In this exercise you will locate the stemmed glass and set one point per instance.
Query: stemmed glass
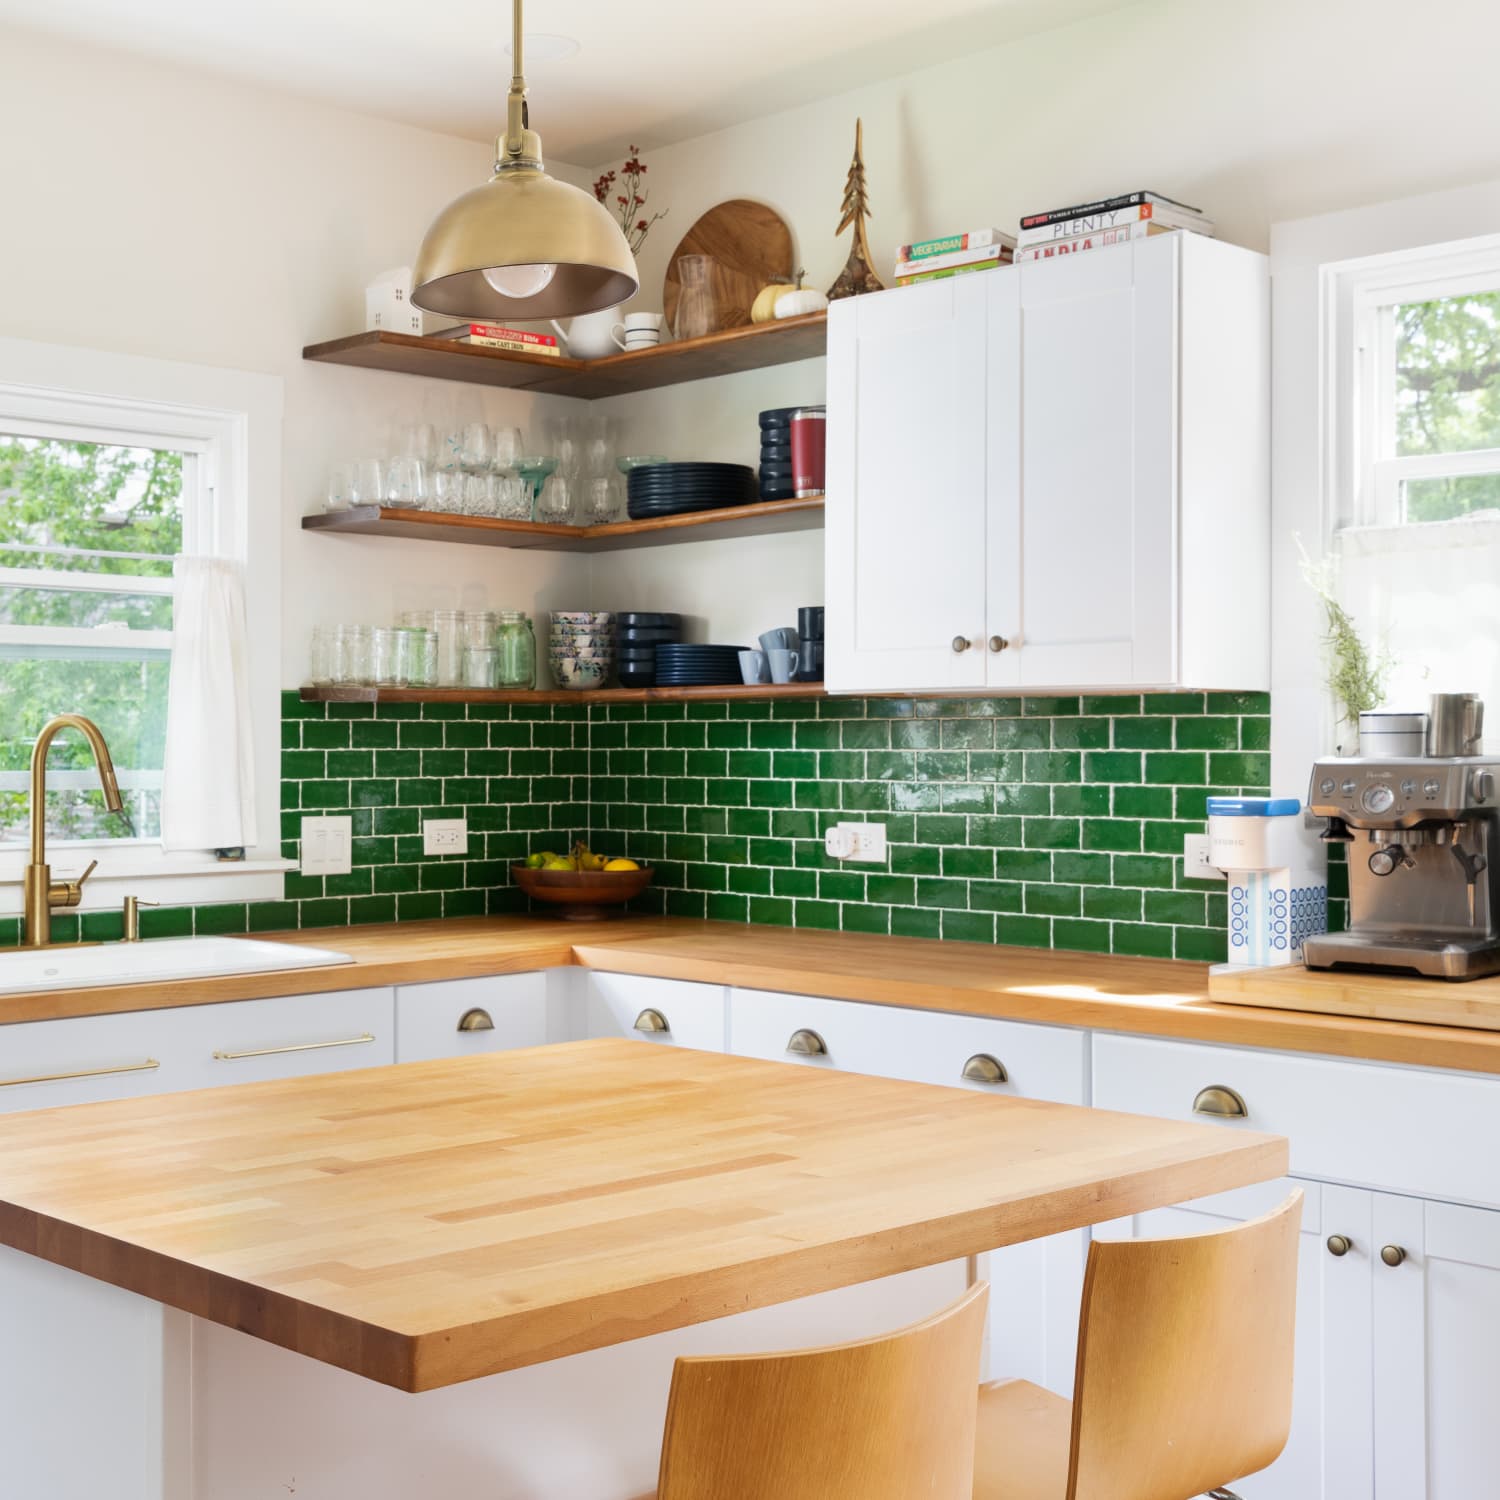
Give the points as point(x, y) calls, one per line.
point(476, 450)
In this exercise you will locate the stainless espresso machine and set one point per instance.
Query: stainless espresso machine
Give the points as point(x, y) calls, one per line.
point(1422, 826)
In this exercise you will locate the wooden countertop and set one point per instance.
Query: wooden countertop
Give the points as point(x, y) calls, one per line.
point(430, 1223)
point(1145, 996)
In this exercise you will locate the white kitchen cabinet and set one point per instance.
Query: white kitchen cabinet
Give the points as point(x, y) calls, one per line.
point(667, 1012)
point(1123, 530)
point(85, 1058)
point(458, 1017)
point(1035, 1285)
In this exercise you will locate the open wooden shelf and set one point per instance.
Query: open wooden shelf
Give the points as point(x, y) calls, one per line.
point(726, 692)
point(753, 347)
point(441, 526)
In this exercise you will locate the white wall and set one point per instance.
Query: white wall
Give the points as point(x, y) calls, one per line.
point(149, 209)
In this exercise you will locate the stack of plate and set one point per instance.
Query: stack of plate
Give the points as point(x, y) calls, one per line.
point(581, 647)
point(639, 635)
point(776, 454)
point(676, 489)
point(696, 666)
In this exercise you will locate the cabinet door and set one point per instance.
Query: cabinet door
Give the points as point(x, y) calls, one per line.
point(457, 1017)
point(905, 549)
point(86, 1058)
point(1327, 1456)
point(1437, 1327)
point(668, 1012)
point(1094, 520)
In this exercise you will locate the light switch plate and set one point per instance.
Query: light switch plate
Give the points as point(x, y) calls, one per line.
point(327, 845)
point(445, 836)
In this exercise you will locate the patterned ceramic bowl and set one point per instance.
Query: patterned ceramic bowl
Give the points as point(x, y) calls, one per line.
point(593, 617)
point(580, 674)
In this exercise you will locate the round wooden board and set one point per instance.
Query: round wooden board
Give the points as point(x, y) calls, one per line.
point(753, 247)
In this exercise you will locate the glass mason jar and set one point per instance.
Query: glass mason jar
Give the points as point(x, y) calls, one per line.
point(480, 666)
point(516, 645)
point(420, 651)
point(479, 628)
point(320, 656)
point(388, 657)
point(450, 647)
point(349, 656)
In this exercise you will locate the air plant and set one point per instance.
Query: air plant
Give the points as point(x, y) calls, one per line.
point(1357, 673)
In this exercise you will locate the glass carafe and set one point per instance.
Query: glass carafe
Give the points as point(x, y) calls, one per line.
point(697, 306)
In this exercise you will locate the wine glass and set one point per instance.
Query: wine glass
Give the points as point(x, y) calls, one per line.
point(367, 483)
point(475, 451)
point(505, 449)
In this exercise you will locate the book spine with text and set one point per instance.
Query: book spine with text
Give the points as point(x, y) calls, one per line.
point(1112, 218)
point(985, 254)
point(467, 331)
point(920, 276)
point(514, 345)
point(1054, 249)
point(970, 239)
point(1120, 200)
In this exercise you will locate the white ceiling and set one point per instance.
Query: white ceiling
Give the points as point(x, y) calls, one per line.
point(648, 71)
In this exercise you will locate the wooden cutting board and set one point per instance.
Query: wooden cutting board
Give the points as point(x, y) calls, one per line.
point(752, 246)
point(1381, 997)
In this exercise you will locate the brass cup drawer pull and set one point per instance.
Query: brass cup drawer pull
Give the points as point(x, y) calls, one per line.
point(221, 1055)
point(653, 1022)
point(1392, 1255)
point(983, 1068)
point(1222, 1102)
point(806, 1043)
point(150, 1065)
point(1339, 1244)
point(477, 1019)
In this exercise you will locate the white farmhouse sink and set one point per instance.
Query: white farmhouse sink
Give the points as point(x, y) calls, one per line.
point(151, 962)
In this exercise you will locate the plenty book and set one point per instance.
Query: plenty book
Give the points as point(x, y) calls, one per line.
point(1115, 218)
point(497, 336)
point(1119, 235)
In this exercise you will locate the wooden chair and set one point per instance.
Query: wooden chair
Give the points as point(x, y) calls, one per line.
point(1184, 1374)
point(889, 1418)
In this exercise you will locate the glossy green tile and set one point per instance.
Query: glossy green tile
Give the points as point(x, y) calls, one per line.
point(1081, 936)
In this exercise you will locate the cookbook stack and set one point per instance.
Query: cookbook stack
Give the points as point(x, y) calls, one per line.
point(953, 255)
point(1109, 221)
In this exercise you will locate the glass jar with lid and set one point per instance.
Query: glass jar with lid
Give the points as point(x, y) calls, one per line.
point(516, 644)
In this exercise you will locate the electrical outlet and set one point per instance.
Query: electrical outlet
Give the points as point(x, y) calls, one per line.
point(445, 836)
point(1195, 865)
point(863, 843)
point(327, 846)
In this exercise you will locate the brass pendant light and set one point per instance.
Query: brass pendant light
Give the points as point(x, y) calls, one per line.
point(523, 246)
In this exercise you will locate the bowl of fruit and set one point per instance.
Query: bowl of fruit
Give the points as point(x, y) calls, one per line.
point(582, 885)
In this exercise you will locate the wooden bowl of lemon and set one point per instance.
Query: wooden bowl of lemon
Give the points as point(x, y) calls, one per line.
point(582, 886)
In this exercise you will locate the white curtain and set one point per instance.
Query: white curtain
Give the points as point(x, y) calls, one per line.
point(208, 801)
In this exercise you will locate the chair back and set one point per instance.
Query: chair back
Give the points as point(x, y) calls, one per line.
point(889, 1418)
point(1184, 1375)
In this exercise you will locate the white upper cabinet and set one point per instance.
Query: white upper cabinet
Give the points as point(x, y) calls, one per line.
point(1119, 535)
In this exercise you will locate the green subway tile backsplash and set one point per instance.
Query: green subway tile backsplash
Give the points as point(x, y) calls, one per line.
point(1046, 821)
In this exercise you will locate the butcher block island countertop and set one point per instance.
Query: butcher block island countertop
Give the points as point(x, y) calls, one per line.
point(432, 1223)
point(1145, 996)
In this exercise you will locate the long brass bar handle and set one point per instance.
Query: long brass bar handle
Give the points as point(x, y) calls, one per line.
point(1221, 1101)
point(343, 1041)
point(150, 1065)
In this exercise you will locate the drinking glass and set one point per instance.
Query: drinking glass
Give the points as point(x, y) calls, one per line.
point(556, 502)
point(597, 455)
point(336, 493)
point(349, 657)
point(388, 659)
point(367, 483)
point(420, 441)
point(479, 629)
point(697, 306)
point(450, 646)
point(514, 498)
point(601, 500)
point(505, 449)
point(447, 489)
point(474, 456)
point(319, 654)
point(478, 499)
point(405, 482)
point(481, 666)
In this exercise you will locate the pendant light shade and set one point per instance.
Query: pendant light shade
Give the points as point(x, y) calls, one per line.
point(523, 246)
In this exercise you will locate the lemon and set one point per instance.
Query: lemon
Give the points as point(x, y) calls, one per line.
point(557, 862)
point(621, 864)
point(536, 861)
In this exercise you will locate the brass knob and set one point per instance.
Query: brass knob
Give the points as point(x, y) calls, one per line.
point(807, 1043)
point(982, 1068)
point(1392, 1255)
point(998, 643)
point(1220, 1101)
point(652, 1021)
point(961, 643)
point(476, 1020)
point(1339, 1244)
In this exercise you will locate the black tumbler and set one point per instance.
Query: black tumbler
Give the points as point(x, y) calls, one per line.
point(810, 623)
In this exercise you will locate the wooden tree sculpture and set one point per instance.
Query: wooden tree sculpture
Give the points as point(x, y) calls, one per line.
point(858, 274)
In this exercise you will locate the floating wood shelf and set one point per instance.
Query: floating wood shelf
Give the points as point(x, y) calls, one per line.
point(441, 526)
point(753, 347)
point(734, 693)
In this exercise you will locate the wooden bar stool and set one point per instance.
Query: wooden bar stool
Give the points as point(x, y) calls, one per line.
point(889, 1418)
point(1184, 1374)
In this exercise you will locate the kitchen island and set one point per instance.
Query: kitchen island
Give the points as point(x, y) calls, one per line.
point(236, 1292)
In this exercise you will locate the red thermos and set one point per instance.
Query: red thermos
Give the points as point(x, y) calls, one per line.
point(809, 445)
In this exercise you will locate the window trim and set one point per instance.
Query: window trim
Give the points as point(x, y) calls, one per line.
point(233, 418)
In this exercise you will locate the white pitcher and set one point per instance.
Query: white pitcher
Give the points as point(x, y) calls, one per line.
point(590, 335)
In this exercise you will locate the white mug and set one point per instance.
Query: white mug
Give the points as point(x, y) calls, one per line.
point(640, 330)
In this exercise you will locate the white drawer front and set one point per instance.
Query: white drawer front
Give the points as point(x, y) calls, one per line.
point(1401, 1129)
point(1039, 1062)
point(630, 1005)
point(457, 1017)
point(286, 1037)
point(45, 1063)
